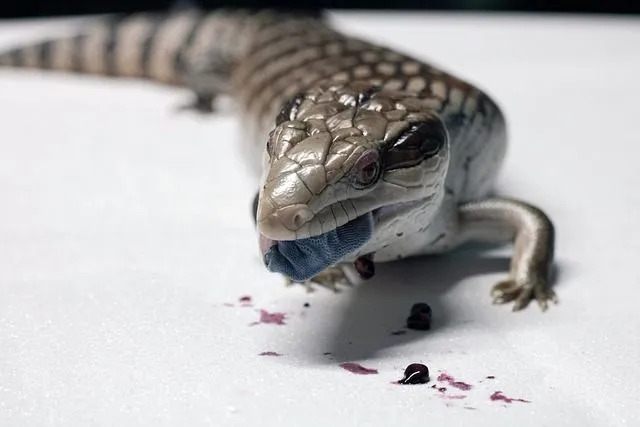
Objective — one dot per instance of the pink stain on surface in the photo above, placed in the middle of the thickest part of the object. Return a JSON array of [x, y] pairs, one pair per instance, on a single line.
[[275, 318], [444, 377], [269, 353], [499, 396], [356, 368]]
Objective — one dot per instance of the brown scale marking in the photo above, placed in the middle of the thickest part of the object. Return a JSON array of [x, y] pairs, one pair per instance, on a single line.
[[30, 56], [276, 82], [169, 38], [362, 71], [62, 54], [386, 68], [416, 84], [130, 38], [390, 55], [341, 77], [273, 53], [283, 81], [411, 68], [370, 57], [251, 67], [394, 84], [264, 88], [260, 82], [93, 49], [284, 69], [272, 33]]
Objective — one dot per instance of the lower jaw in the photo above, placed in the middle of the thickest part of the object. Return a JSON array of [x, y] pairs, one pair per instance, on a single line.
[[302, 259]]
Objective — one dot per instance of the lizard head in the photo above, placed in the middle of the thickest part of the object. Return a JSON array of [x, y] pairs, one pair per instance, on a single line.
[[341, 165]]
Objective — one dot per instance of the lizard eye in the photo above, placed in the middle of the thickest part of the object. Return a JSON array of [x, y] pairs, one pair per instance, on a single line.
[[421, 141], [367, 168]]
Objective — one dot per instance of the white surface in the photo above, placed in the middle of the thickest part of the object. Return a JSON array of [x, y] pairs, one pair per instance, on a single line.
[[125, 227]]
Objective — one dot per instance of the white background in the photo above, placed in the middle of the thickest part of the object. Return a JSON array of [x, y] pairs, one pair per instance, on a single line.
[[125, 228]]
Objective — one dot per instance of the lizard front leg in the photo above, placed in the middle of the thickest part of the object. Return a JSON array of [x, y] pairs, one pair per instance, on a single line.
[[531, 231]]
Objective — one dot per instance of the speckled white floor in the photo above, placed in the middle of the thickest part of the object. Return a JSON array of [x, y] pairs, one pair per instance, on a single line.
[[126, 241]]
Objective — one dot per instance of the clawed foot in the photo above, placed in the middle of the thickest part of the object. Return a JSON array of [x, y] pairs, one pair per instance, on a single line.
[[521, 293], [329, 278]]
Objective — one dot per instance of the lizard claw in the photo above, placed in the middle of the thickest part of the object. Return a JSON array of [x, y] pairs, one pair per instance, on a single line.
[[522, 293]]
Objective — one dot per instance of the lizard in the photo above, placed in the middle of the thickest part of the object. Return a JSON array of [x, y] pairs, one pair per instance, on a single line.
[[364, 154]]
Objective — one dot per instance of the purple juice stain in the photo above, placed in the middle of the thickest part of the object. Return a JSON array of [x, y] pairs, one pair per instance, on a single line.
[[275, 318], [460, 385], [356, 368], [269, 353], [498, 395]]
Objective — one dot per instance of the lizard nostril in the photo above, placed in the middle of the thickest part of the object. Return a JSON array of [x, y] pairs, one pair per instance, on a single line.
[[294, 217], [298, 220]]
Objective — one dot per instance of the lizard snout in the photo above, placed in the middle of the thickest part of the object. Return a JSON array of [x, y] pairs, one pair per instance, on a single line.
[[282, 223]]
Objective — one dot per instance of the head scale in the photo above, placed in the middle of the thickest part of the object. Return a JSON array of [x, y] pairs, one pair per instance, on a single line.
[[341, 152]]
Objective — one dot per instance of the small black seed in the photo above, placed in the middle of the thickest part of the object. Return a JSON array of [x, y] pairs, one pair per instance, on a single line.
[[416, 373], [421, 308], [420, 322], [306, 304], [398, 332], [365, 267]]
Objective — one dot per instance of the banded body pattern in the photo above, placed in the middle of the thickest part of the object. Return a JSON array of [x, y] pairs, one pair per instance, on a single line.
[[160, 47], [264, 58]]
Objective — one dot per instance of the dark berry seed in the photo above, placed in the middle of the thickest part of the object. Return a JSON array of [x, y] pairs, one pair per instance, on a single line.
[[421, 307], [306, 304], [416, 373], [419, 321], [365, 267]]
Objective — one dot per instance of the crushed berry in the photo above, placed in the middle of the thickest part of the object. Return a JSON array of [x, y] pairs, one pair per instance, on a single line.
[[416, 373], [499, 396], [453, 383], [273, 318], [357, 369], [420, 317], [365, 266]]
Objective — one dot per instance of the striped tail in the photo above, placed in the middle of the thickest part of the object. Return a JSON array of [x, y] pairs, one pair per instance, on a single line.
[[142, 45]]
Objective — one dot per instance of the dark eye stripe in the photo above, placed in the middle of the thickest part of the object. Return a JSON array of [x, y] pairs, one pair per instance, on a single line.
[[289, 109], [421, 141]]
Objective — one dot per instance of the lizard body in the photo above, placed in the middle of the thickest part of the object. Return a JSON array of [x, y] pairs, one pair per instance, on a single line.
[[365, 153]]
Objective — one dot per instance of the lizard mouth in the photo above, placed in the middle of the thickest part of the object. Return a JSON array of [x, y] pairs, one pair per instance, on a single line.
[[302, 259]]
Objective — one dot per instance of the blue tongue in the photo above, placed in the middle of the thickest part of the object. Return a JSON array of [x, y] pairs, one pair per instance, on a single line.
[[304, 258]]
